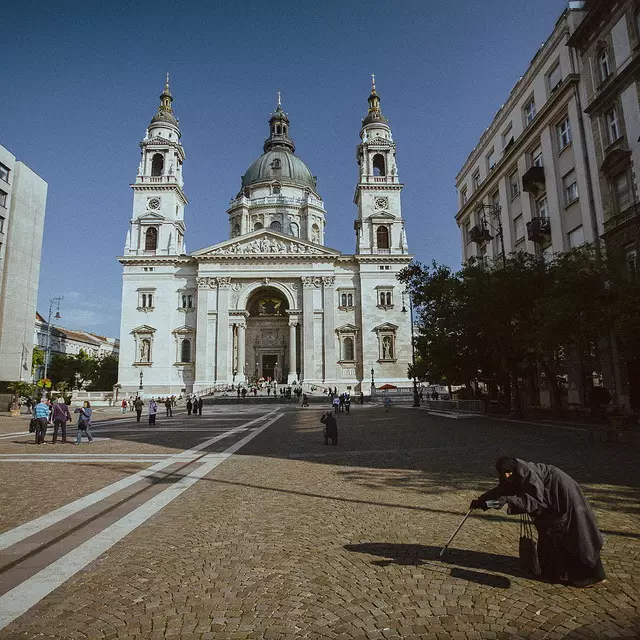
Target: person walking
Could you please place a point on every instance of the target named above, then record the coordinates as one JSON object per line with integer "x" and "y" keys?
{"x": 60, "y": 417}
{"x": 84, "y": 422}
{"x": 189, "y": 406}
{"x": 138, "y": 404}
{"x": 330, "y": 428}
{"x": 168, "y": 406}
{"x": 569, "y": 540}
{"x": 123, "y": 405}
{"x": 336, "y": 404}
{"x": 131, "y": 405}
{"x": 153, "y": 410}
{"x": 347, "y": 402}
{"x": 200, "y": 403}
{"x": 41, "y": 413}
{"x": 305, "y": 400}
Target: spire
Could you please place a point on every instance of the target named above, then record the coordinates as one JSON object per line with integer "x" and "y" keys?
{"x": 375, "y": 113}
{"x": 279, "y": 98}
{"x": 165, "y": 110}
{"x": 279, "y": 130}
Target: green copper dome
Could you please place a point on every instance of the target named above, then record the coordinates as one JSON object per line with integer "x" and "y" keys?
{"x": 279, "y": 164}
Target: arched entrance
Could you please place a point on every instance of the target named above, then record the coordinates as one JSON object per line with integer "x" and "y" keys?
{"x": 267, "y": 336}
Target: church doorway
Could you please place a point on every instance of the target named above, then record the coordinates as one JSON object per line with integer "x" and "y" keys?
{"x": 269, "y": 366}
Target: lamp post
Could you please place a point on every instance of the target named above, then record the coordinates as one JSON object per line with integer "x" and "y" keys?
{"x": 373, "y": 384}
{"x": 140, "y": 387}
{"x": 52, "y": 302}
{"x": 416, "y": 397}
{"x": 494, "y": 211}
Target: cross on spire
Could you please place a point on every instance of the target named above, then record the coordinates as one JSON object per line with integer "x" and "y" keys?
{"x": 373, "y": 82}
{"x": 167, "y": 81}
{"x": 279, "y": 98}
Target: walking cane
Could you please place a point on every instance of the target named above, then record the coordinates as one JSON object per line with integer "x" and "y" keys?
{"x": 454, "y": 534}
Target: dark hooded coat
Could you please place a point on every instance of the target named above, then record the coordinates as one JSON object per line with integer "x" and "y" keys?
{"x": 569, "y": 540}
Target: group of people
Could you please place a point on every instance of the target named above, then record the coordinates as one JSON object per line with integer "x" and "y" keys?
{"x": 341, "y": 402}
{"x": 57, "y": 414}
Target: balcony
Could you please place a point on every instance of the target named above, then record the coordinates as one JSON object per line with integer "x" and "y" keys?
{"x": 538, "y": 229}
{"x": 533, "y": 180}
{"x": 479, "y": 234}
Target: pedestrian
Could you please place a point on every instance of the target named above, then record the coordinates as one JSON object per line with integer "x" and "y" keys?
{"x": 361, "y": 397}
{"x": 29, "y": 404}
{"x": 305, "y": 400}
{"x": 168, "y": 407}
{"x": 84, "y": 422}
{"x": 569, "y": 540}
{"x": 341, "y": 400}
{"x": 189, "y": 406}
{"x": 60, "y": 417}
{"x": 268, "y": 390}
{"x": 347, "y": 402}
{"x": 138, "y": 404}
{"x": 238, "y": 391}
{"x": 200, "y": 403}
{"x": 387, "y": 403}
{"x": 336, "y": 404}
{"x": 131, "y": 407}
{"x": 153, "y": 410}
{"x": 41, "y": 413}
{"x": 123, "y": 405}
{"x": 330, "y": 428}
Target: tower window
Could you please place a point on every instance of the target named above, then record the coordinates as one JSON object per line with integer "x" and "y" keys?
{"x": 257, "y": 226}
{"x": 236, "y": 230}
{"x": 151, "y": 239}
{"x": 379, "y": 165}
{"x": 278, "y": 129}
{"x": 185, "y": 351}
{"x": 382, "y": 237}
{"x": 157, "y": 164}
{"x": 275, "y": 226}
{"x": 315, "y": 233}
{"x": 347, "y": 349}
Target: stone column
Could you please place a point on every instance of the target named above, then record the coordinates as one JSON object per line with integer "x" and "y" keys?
{"x": 308, "y": 347}
{"x": 202, "y": 320}
{"x": 222, "y": 346}
{"x": 293, "y": 351}
{"x": 241, "y": 352}
{"x": 328, "y": 304}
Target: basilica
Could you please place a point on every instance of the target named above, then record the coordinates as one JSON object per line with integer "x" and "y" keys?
{"x": 272, "y": 302}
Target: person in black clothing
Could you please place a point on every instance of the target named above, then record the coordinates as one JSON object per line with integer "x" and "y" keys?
{"x": 167, "y": 406}
{"x": 189, "y": 406}
{"x": 330, "y": 428}
{"x": 305, "y": 400}
{"x": 569, "y": 540}
{"x": 200, "y": 403}
{"x": 138, "y": 404}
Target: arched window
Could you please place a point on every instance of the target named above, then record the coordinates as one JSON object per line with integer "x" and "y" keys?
{"x": 257, "y": 226}
{"x": 295, "y": 229}
{"x": 236, "y": 230}
{"x": 350, "y": 300}
{"x": 275, "y": 226}
{"x": 382, "y": 237}
{"x": 315, "y": 233}
{"x": 157, "y": 164}
{"x": 275, "y": 190}
{"x": 278, "y": 129}
{"x": 151, "y": 239}
{"x": 347, "y": 349}
{"x": 343, "y": 300}
{"x": 185, "y": 351}
{"x": 145, "y": 350}
{"x": 378, "y": 165}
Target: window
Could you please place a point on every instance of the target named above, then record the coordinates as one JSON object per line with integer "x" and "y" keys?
{"x": 491, "y": 160}
{"x": 576, "y": 237}
{"x": 518, "y": 228}
{"x": 536, "y": 158}
{"x": 385, "y": 267}
{"x": 346, "y": 299}
{"x": 145, "y": 350}
{"x": 275, "y": 226}
{"x": 145, "y": 300}
{"x": 507, "y": 136}
{"x": 315, "y": 233}
{"x": 382, "y": 237}
{"x": 257, "y": 226}
{"x": 347, "y": 349}
{"x": 530, "y": 110}
{"x": 613, "y": 125}
{"x": 295, "y": 229}
{"x": 186, "y": 301}
{"x": 463, "y": 196}
{"x": 476, "y": 179}
{"x": 555, "y": 77}
{"x": 4, "y": 173}
{"x": 385, "y": 297}
{"x": 3, "y": 199}
{"x": 631, "y": 259}
{"x": 621, "y": 191}
{"x": 185, "y": 351}
{"x": 1, "y": 224}
{"x": 151, "y": 239}
{"x": 604, "y": 65}
{"x": 514, "y": 184}
{"x": 275, "y": 190}
{"x": 542, "y": 207}
{"x": 570, "y": 187}
{"x": 378, "y": 165}
{"x": 564, "y": 134}
{"x": 157, "y": 164}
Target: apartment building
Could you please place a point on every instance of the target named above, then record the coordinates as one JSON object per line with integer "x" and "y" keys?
{"x": 529, "y": 175}
{"x": 23, "y": 196}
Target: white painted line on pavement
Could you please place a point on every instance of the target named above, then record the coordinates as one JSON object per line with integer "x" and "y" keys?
{"x": 27, "y": 594}
{"x": 35, "y": 526}
{"x": 96, "y": 459}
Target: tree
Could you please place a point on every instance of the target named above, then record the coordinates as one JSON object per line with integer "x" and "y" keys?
{"x": 105, "y": 373}
{"x": 19, "y": 389}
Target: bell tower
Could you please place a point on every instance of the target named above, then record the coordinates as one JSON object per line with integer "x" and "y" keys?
{"x": 157, "y": 224}
{"x": 379, "y": 226}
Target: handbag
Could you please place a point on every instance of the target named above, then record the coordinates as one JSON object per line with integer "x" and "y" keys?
{"x": 528, "y": 547}
{"x": 33, "y": 423}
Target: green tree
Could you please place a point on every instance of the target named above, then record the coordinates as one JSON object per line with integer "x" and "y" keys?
{"x": 105, "y": 373}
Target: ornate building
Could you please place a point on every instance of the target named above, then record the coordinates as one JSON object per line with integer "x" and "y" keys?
{"x": 273, "y": 301}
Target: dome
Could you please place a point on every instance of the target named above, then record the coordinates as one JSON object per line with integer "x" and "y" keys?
{"x": 164, "y": 117}
{"x": 279, "y": 164}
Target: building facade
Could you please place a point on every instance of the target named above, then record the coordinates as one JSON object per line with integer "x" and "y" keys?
{"x": 531, "y": 169}
{"x": 23, "y": 196}
{"x": 272, "y": 302}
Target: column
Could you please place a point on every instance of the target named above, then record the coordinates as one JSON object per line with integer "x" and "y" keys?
{"x": 201, "y": 332}
{"x": 241, "y": 351}
{"x": 328, "y": 304}
{"x": 222, "y": 346}
{"x": 308, "y": 347}
{"x": 293, "y": 351}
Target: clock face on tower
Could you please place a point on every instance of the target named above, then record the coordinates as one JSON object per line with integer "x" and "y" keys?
{"x": 382, "y": 203}
{"x": 153, "y": 204}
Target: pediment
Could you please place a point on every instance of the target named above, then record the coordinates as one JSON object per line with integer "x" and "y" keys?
{"x": 151, "y": 215}
{"x": 347, "y": 328}
{"x": 185, "y": 328}
{"x": 386, "y": 326}
{"x": 265, "y": 242}
{"x": 381, "y": 215}
{"x": 144, "y": 328}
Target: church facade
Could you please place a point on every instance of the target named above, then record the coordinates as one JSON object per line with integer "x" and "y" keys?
{"x": 272, "y": 301}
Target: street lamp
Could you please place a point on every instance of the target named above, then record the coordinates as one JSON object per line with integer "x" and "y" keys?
{"x": 494, "y": 211}
{"x": 373, "y": 384}
{"x": 52, "y": 302}
{"x": 416, "y": 397}
{"x": 140, "y": 387}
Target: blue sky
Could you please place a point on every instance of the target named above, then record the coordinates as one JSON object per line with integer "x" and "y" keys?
{"x": 81, "y": 82}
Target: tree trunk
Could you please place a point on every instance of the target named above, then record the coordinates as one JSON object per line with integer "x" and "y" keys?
{"x": 555, "y": 392}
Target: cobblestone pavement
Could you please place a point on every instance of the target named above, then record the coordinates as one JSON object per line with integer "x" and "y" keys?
{"x": 289, "y": 538}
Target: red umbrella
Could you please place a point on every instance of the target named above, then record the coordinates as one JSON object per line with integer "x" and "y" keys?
{"x": 387, "y": 386}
